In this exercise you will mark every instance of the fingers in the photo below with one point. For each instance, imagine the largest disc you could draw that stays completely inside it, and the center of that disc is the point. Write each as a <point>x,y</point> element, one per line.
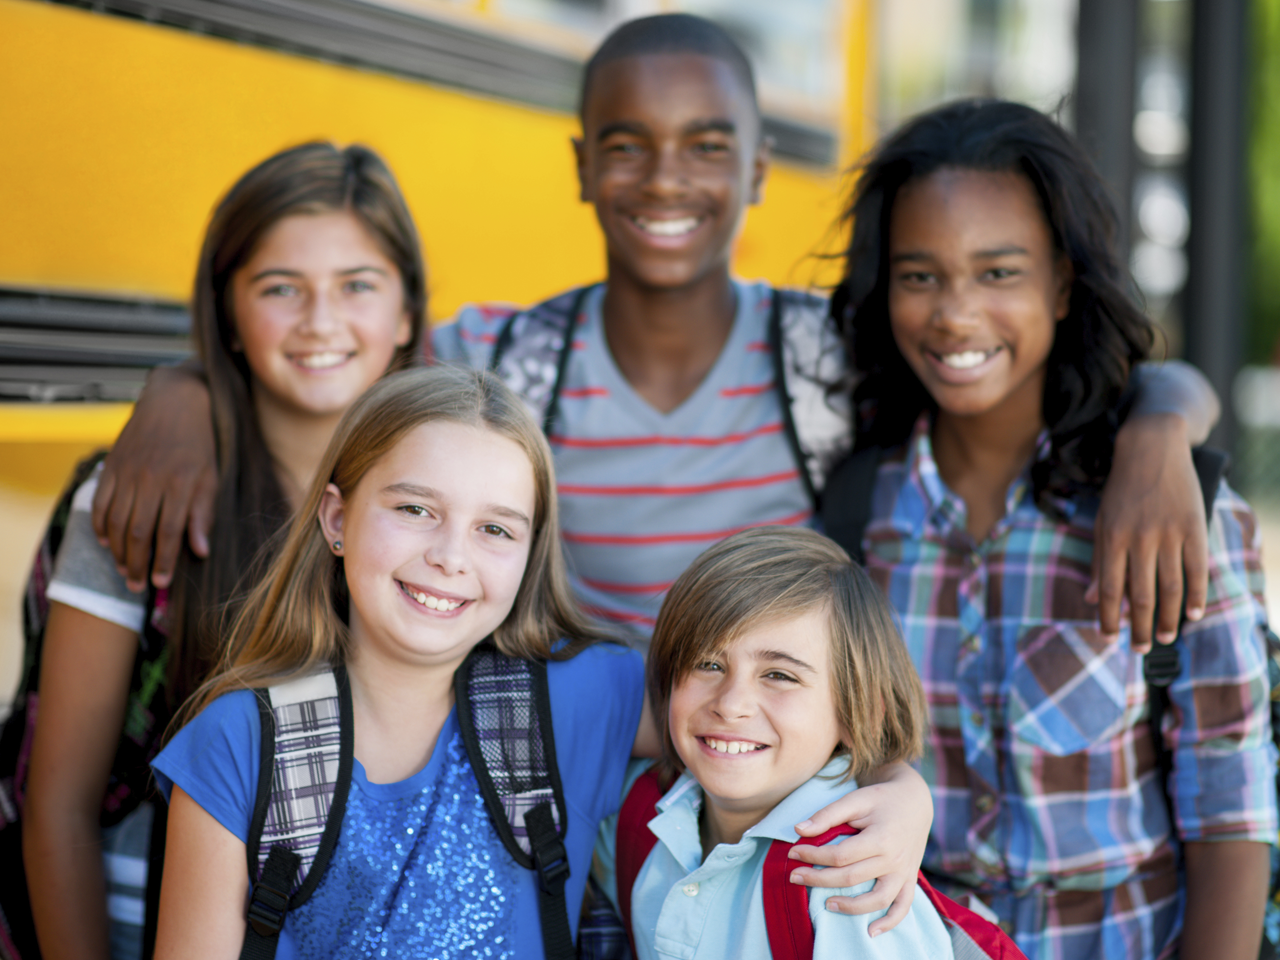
<point>897,912</point>
<point>170,530</point>
<point>853,850</point>
<point>1142,592</point>
<point>1195,565</point>
<point>202,506</point>
<point>852,808</point>
<point>1169,577</point>
<point>102,501</point>
<point>140,530</point>
<point>1111,574</point>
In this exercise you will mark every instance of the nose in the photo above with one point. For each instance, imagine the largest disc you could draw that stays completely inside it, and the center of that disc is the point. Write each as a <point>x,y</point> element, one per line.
<point>322,312</point>
<point>446,550</point>
<point>957,309</point>
<point>734,699</point>
<point>668,176</point>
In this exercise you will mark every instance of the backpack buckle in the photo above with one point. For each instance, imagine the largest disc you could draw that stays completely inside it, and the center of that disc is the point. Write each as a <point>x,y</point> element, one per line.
<point>1162,665</point>
<point>267,908</point>
<point>555,873</point>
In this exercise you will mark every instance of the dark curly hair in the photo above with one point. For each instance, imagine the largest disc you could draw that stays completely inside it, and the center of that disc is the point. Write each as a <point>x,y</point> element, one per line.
<point>1095,347</point>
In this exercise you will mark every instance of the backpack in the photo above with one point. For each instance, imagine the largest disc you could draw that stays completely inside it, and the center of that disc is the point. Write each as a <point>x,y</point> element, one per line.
<point>531,354</point>
<point>786,905</point>
<point>308,748</point>
<point>129,784</point>
<point>847,511</point>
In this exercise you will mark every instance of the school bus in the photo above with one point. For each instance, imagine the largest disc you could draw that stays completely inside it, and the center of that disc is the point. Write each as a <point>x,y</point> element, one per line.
<point>123,121</point>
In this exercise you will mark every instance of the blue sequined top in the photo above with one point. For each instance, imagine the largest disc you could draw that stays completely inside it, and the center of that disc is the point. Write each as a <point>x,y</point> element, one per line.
<point>418,870</point>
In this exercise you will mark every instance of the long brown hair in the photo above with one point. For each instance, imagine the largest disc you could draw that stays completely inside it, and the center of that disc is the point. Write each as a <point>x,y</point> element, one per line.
<point>251,507</point>
<point>294,620</point>
<point>776,573</point>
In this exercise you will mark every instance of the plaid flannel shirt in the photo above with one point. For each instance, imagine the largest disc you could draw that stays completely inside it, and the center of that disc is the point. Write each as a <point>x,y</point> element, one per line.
<point>1039,751</point>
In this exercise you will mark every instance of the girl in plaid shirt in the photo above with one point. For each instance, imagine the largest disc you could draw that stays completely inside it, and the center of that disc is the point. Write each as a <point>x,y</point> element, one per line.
<point>988,308</point>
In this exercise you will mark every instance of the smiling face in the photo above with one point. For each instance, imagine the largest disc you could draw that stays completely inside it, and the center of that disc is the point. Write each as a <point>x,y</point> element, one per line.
<point>318,311</point>
<point>671,155</point>
<point>758,719</point>
<point>435,539</point>
<point>975,289</point>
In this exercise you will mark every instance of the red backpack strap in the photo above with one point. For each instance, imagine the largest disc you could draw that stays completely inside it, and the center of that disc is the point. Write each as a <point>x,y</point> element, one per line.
<point>635,839</point>
<point>971,935</point>
<point>786,904</point>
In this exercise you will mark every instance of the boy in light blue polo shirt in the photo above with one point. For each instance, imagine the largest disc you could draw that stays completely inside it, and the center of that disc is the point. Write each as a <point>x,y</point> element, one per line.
<point>777,676</point>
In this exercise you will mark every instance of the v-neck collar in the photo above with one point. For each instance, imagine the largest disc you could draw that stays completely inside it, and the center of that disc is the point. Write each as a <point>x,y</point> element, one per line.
<point>598,356</point>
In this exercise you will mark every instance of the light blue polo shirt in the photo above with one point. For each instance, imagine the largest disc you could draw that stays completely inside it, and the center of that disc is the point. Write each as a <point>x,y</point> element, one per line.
<point>685,908</point>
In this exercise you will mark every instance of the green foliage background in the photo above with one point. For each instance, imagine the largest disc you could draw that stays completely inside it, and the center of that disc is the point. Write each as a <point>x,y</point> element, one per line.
<point>1262,344</point>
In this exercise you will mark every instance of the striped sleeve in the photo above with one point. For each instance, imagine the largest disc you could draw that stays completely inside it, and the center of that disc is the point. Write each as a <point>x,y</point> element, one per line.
<point>469,338</point>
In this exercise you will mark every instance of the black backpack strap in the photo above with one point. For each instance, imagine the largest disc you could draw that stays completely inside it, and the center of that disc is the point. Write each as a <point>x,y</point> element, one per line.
<point>785,400</point>
<point>1161,666</point>
<point>304,774</point>
<point>846,501</point>
<point>504,714</point>
<point>566,324</point>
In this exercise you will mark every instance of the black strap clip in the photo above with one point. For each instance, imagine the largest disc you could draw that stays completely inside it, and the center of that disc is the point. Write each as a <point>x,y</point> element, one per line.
<point>267,908</point>
<point>1162,665</point>
<point>549,854</point>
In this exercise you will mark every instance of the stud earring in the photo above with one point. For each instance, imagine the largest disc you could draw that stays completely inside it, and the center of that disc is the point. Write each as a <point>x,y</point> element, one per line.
<point>337,544</point>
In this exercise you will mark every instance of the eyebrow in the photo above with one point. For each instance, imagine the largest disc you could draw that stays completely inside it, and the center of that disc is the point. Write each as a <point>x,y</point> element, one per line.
<point>708,125</point>
<point>920,255</point>
<point>281,272</point>
<point>776,656</point>
<point>406,488</point>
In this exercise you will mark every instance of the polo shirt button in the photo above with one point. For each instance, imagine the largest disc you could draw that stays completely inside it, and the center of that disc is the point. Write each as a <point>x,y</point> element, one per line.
<point>690,889</point>
<point>985,802</point>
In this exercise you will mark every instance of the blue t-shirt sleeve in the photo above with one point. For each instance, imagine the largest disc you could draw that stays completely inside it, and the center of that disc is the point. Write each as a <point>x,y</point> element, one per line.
<point>595,710</point>
<point>214,759</point>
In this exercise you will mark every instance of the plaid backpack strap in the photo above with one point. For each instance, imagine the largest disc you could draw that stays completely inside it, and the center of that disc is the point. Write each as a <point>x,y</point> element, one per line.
<point>533,349</point>
<point>504,712</point>
<point>790,928</point>
<point>304,773</point>
<point>808,361</point>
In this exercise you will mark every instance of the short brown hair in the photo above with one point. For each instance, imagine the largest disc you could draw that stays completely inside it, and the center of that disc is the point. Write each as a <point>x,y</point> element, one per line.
<point>774,573</point>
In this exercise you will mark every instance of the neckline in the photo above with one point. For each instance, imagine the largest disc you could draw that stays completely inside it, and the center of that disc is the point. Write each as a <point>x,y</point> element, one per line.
<point>417,782</point>
<point>598,352</point>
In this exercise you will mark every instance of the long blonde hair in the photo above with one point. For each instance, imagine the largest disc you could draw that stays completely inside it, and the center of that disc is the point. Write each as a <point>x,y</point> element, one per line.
<point>294,620</point>
<point>775,573</point>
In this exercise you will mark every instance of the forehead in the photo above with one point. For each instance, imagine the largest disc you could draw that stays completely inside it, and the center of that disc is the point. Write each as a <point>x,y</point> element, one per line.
<point>986,209</point>
<point>325,239</point>
<point>666,89</point>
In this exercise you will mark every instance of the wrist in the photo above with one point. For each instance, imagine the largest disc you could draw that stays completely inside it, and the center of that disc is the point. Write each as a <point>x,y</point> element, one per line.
<point>1165,424</point>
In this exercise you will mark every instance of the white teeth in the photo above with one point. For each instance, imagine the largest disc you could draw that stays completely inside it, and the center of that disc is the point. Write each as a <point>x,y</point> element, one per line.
<point>731,746</point>
<point>668,228</point>
<point>320,361</point>
<point>966,360</point>
<point>434,603</point>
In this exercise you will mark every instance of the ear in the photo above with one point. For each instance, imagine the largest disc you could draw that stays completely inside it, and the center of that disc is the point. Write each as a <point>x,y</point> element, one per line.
<point>332,516</point>
<point>1064,279</point>
<point>760,169</point>
<point>404,329</point>
<point>580,160</point>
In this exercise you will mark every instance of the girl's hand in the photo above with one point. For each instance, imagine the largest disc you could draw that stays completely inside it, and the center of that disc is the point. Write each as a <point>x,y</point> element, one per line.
<point>894,815</point>
<point>1150,531</point>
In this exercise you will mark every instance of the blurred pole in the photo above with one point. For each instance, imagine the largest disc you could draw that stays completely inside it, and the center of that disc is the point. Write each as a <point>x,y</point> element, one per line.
<point>1216,247</point>
<point>1107,37</point>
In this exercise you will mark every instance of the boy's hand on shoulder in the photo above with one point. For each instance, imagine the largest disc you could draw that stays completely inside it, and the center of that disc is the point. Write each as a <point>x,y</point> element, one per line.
<point>894,816</point>
<point>160,479</point>
<point>1150,532</point>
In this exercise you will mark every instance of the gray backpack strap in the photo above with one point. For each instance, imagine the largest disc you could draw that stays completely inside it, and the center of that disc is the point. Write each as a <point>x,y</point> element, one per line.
<point>304,774</point>
<point>532,352</point>
<point>809,361</point>
<point>504,713</point>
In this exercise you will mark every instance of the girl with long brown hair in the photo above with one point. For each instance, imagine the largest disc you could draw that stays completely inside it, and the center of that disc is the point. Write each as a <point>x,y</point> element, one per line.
<point>309,288</point>
<point>431,525</point>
